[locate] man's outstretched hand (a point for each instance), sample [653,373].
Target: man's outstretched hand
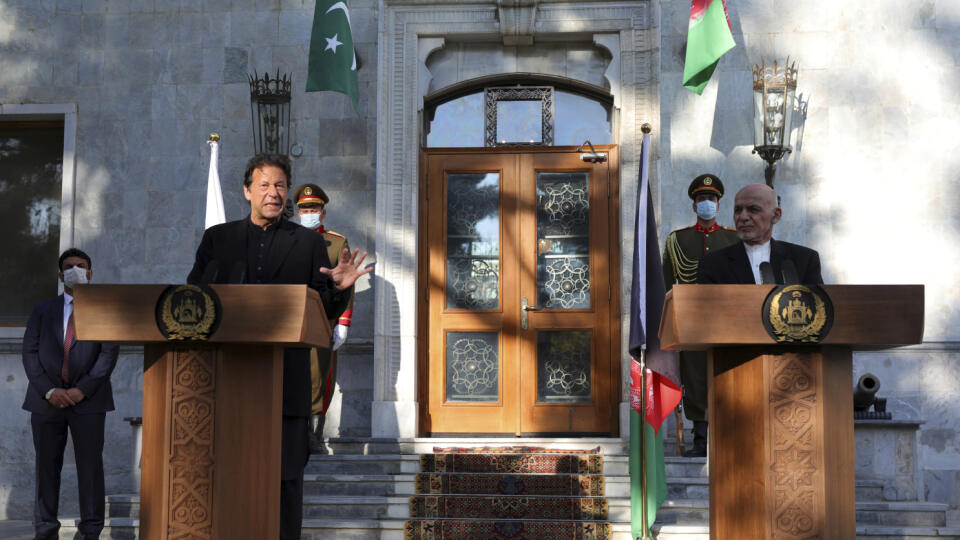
[348,269]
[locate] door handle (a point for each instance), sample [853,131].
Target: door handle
[524,308]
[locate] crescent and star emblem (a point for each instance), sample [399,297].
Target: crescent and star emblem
[332,42]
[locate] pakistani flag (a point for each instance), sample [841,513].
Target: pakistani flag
[333,59]
[708,38]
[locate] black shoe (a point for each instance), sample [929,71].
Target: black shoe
[50,536]
[316,435]
[699,440]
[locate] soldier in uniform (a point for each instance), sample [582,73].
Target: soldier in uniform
[311,207]
[681,256]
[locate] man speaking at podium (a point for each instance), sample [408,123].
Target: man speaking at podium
[265,248]
[758,258]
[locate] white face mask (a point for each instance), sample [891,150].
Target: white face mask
[706,209]
[73,276]
[310,221]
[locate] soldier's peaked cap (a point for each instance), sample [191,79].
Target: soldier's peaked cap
[310,194]
[705,183]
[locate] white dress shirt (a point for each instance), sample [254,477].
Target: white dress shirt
[757,254]
[67,311]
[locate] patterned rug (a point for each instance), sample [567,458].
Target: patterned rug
[585,485]
[514,530]
[511,450]
[514,507]
[512,463]
[509,492]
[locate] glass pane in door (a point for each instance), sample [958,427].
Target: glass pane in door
[563,240]
[473,241]
[472,366]
[563,366]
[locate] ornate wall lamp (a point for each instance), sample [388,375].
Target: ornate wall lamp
[270,109]
[774,89]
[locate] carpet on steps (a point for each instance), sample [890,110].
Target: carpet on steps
[585,485]
[513,492]
[417,529]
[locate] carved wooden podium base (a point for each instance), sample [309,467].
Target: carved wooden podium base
[209,412]
[785,467]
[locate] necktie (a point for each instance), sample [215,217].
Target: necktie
[68,340]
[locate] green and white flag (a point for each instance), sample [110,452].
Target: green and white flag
[708,38]
[333,59]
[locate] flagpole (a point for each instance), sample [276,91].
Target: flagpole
[643,449]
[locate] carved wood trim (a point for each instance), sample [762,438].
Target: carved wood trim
[190,471]
[795,461]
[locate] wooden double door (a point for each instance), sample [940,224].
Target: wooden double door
[519,257]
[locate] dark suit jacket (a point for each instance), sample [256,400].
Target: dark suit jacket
[91,363]
[301,253]
[731,265]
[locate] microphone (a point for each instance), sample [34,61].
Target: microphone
[237,273]
[766,274]
[790,273]
[210,272]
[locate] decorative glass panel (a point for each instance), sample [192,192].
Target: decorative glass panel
[580,118]
[473,241]
[31,167]
[519,121]
[563,366]
[563,240]
[520,117]
[473,366]
[457,123]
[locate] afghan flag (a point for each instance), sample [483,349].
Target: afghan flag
[655,393]
[333,59]
[708,38]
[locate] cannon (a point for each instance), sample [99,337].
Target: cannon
[865,391]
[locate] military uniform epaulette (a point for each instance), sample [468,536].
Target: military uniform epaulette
[683,229]
[334,233]
[728,228]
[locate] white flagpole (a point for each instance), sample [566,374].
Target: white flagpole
[215,214]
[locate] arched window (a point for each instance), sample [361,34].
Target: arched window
[520,115]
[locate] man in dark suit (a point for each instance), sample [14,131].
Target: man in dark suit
[266,248]
[69,388]
[755,211]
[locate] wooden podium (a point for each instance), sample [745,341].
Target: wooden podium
[211,410]
[781,448]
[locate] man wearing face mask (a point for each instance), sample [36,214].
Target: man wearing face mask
[311,203]
[681,257]
[69,390]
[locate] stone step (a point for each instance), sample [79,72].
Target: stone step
[869,513]
[901,514]
[702,532]
[344,507]
[352,484]
[389,529]
[685,467]
[363,464]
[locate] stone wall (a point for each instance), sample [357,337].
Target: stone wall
[151,79]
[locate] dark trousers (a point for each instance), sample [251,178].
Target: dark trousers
[49,441]
[295,452]
[693,377]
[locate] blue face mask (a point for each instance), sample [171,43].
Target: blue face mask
[310,221]
[706,210]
